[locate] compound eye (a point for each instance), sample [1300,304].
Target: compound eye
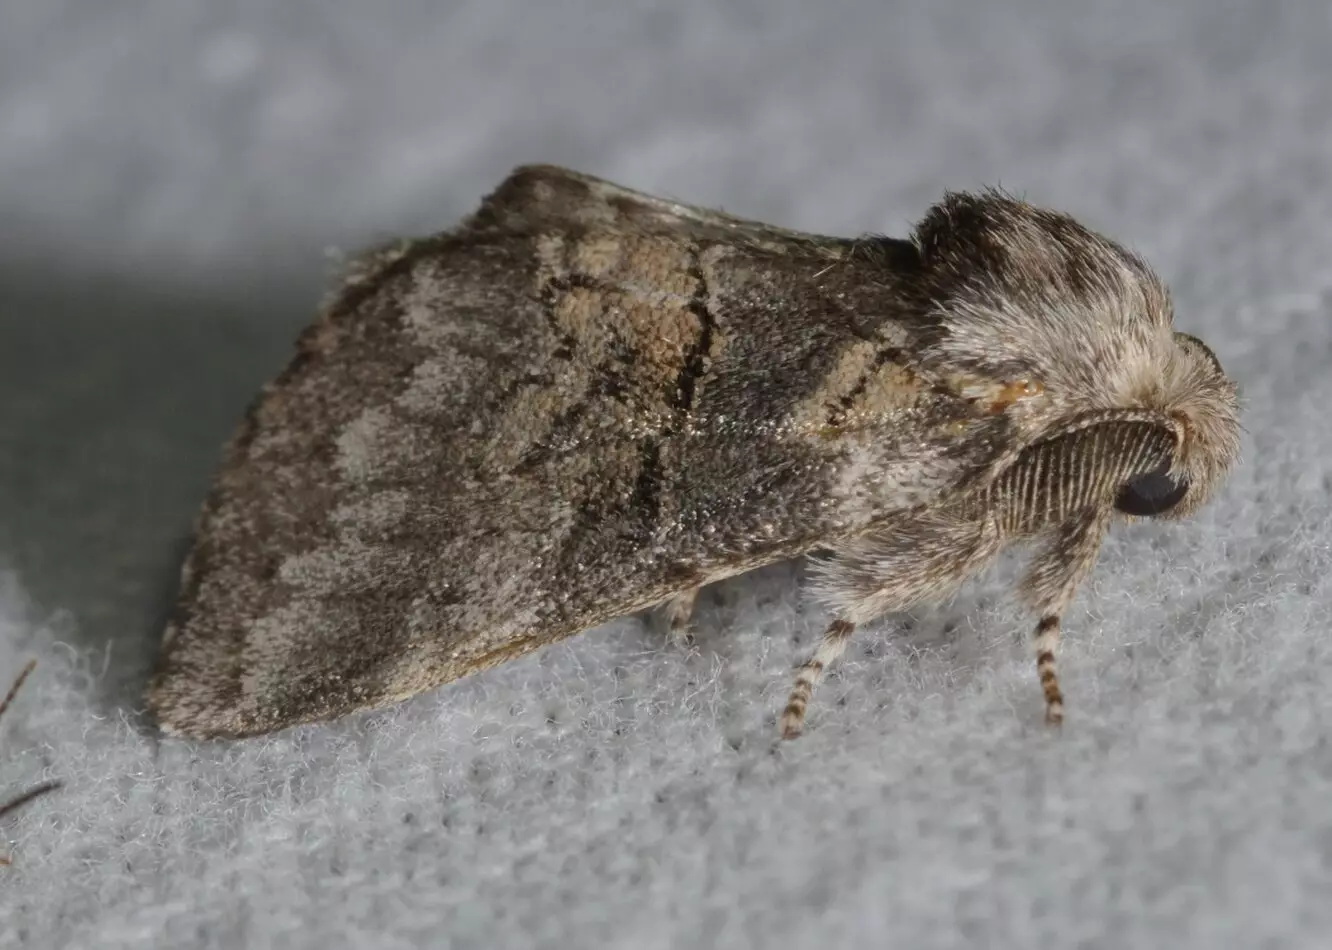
[1152,493]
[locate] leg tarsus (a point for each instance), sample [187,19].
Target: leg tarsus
[1047,638]
[829,649]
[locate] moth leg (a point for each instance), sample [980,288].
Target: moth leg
[901,565]
[678,610]
[829,649]
[1049,586]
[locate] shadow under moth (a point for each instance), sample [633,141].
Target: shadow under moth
[585,401]
[23,798]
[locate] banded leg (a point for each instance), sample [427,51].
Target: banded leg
[1047,638]
[909,561]
[1049,586]
[830,648]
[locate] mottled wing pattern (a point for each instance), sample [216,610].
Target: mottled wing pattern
[578,403]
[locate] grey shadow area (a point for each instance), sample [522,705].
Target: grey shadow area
[116,398]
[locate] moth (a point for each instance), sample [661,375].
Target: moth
[22,799]
[585,401]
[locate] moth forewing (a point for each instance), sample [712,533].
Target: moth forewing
[585,400]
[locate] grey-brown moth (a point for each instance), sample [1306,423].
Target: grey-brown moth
[584,401]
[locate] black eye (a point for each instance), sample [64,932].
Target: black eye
[1151,494]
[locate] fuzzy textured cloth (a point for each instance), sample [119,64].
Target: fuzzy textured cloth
[170,174]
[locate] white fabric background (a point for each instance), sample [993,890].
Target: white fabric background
[170,174]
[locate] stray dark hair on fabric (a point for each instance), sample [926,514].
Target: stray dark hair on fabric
[38,790]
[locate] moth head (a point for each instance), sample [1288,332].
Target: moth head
[1196,393]
[1014,292]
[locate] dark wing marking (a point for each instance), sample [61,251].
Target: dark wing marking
[579,403]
